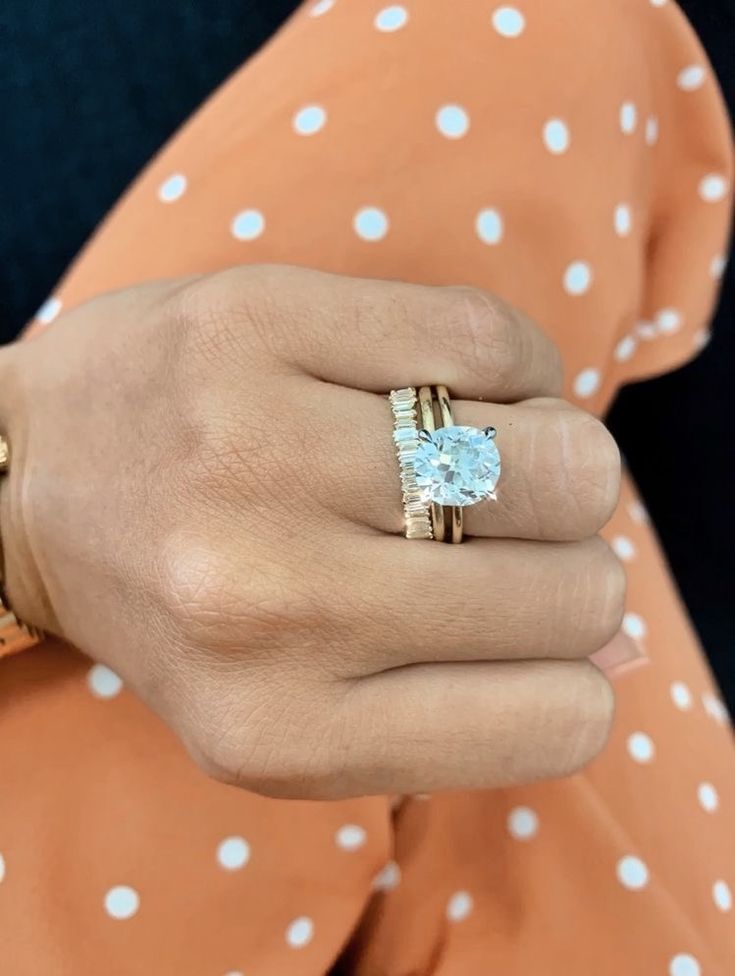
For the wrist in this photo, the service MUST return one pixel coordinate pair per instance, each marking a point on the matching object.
(23, 589)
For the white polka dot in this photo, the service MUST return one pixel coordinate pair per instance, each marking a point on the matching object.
(233, 853)
(717, 266)
(300, 932)
(684, 965)
(489, 226)
(556, 136)
(309, 120)
(623, 220)
(628, 117)
(637, 511)
(646, 331)
(577, 278)
(370, 224)
(103, 682)
(641, 747)
(713, 187)
(122, 902)
(172, 188)
(708, 798)
(2, 867)
(235, 972)
(634, 626)
(722, 896)
(452, 121)
(248, 225)
(632, 873)
(658, 3)
(508, 21)
(391, 18)
(625, 348)
(49, 310)
(321, 8)
(623, 547)
(388, 878)
(651, 130)
(681, 695)
(459, 906)
(523, 823)
(715, 708)
(350, 837)
(587, 383)
(691, 77)
(701, 338)
(668, 320)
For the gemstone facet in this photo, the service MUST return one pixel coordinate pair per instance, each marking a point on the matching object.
(457, 465)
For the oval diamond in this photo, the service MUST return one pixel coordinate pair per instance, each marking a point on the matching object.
(457, 465)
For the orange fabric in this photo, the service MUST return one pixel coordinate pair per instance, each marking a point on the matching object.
(608, 226)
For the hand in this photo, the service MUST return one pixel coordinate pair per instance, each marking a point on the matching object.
(204, 495)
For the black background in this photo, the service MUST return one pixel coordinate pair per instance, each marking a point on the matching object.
(89, 90)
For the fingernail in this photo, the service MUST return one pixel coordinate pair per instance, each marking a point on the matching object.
(619, 656)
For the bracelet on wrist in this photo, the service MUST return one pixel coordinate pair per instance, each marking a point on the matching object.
(14, 634)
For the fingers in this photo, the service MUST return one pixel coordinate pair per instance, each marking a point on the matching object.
(560, 467)
(378, 335)
(470, 726)
(485, 600)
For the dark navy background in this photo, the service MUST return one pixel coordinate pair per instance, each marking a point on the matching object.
(89, 89)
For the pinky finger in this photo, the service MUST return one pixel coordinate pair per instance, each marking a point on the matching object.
(483, 725)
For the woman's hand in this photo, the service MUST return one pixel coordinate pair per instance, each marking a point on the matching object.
(204, 495)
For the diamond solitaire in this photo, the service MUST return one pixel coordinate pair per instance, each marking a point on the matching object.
(457, 465)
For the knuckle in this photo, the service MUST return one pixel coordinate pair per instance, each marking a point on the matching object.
(604, 605)
(485, 336)
(222, 603)
(211, 319)
(274, 748)
(192, 593)
(591, 715)
(592, 470)
(499, 345)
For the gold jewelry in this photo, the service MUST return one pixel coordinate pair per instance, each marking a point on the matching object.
(452, 514)
(444, 467)
(428, 418)
(14, 635)
(417, 524)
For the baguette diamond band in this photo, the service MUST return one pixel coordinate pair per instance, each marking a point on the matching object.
(405, 437)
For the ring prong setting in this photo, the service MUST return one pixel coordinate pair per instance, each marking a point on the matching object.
(490, 433)
(457, 466)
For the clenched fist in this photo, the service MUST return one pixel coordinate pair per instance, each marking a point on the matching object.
(204, 495)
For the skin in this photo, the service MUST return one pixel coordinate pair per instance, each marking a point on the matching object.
(203, 495)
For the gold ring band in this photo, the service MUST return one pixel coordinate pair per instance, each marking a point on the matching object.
(453, 520)
(428, 418)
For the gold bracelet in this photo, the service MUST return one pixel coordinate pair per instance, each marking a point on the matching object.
(14, 634)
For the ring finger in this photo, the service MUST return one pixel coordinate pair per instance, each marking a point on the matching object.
(560, 467)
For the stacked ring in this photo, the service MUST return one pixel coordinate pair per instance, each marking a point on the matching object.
(443, 467)
(417, 522)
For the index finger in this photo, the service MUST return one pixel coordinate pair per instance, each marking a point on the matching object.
(380, 335)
